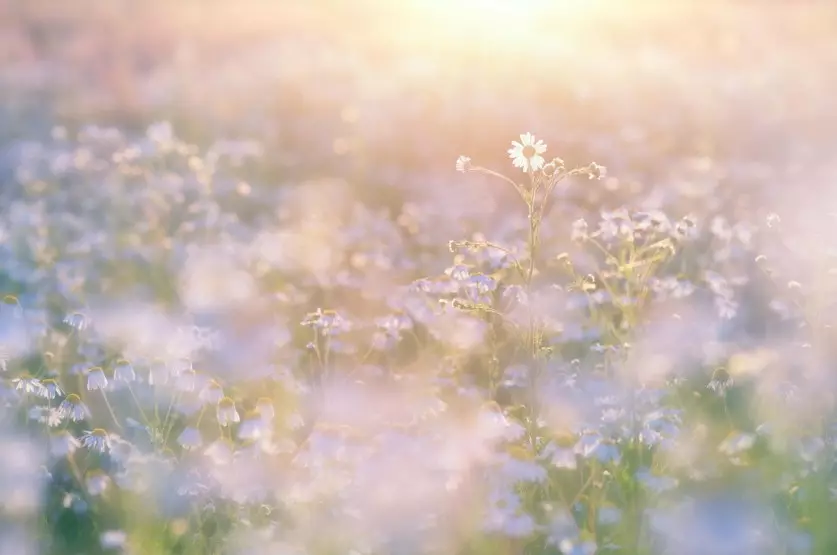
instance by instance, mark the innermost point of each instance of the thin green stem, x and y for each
(110, 410)
(492, 173)
(146, 421)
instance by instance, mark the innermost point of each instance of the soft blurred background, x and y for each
(186, 180)
(381, 92)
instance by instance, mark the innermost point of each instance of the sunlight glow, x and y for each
(504, 28)
(499, 20)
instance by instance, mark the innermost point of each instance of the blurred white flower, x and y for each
(592, 444)
(124, 371)
(516, 375)
(10, 306)
(159, 373)
(28, 384)
(62, 444)
(212, 393)
(96, 379)
(264, 407)
(226, 412)
(579, 230)
(506, 516)
(655, 483)
(75, 503)
(73, 408)
(463, 164)
(736, 443)
(186, 381)
(493, 425)
(526, 154)
(220, 452)
(190, 438)
(161, 133)
(253, 427)
(569, 547)
(113, 539)
(561, 457)
(50, 389)
(595, 171)
(50, 416)
(76, 320)
(96, 440)
(521, 470)
(97, 482)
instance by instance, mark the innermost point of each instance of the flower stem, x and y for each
(110, 409)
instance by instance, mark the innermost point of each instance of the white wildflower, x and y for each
(226, 412)
(50, 389)
(124, 371)
(72, 407)
(28, 384)
(96, 379)
(526, 154)
(96, 440)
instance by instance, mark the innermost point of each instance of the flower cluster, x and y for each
(199, 366)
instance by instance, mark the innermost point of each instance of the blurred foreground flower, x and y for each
(96, 440)
(463, 164)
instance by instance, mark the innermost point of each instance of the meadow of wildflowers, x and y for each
(475, 278)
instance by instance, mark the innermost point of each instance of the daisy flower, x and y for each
(11, 306)
(52, 417)
(212, 393)
(526, 154)
(97, 440)
(96, 379)
(73, 408)
(28, 384)
(226, 412)
(124, 371)
(50, 389)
